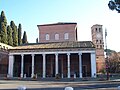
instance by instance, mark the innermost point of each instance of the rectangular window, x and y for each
(96, 29)
(66, 36)
(100, 46)
(56, 36)
(47, 37)
(96, 41)
(99, 29)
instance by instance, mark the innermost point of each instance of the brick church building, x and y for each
(58, 52)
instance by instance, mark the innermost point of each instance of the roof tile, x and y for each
(56, 45)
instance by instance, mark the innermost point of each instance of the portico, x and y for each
(49, 62)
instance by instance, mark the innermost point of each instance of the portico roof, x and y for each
(56, 45)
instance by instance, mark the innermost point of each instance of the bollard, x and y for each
(118, 88)
(68, 88)
(22, 88)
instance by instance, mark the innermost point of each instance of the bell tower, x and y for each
(97, 39)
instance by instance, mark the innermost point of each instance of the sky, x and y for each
(86, 13)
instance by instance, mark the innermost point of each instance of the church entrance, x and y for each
(86, 64)
(74, 64)
(38, 67)
(17, 65)
(62, 66)
(50, 65)
(27, 65)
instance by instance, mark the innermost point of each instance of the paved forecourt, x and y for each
(38, 85)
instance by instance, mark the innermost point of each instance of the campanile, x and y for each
(97, 39)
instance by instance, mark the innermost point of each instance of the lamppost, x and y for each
(106, 60)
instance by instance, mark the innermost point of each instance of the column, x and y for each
(68, 61)
(32, 65)
(44, 66)
(80, 65)
(93, 65)
(10, 67)
(56, 63)
(22, 65)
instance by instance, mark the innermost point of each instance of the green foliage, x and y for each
(117, 1)
(3, 33)
(19, 34)
(109, 51)
(57, 76)
(24, 40)
(9, 35)
(14, 33)
(102, 71)
(114, 5)
(3, 18)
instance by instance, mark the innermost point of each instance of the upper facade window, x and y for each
(96, 29)
(47, 37)
(66, 36)
(99, 29)
(56, 36)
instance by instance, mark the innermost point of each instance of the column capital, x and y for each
(92, 52)
(33, 55)
(22, 55)
(43, 54)
(80, 53)
(56, 54)
(68, 54)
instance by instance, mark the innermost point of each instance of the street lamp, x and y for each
(106, 60)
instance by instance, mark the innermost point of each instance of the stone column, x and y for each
(56, 63)
(80, 65)
(93, 65)
(32, 65)
(68, 61)
(10, 67)
(22, 65)
(44, 66)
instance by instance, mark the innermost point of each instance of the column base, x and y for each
(80, 75)
(21, 75)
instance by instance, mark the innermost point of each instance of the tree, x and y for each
(3, 33)
(9, 35)
(19, 34)
(114, 5)
(114, 62)
(14, 33)
(24, 40)
(3, 18)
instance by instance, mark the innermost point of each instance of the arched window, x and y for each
(47, 37)
(56, 36)
(66, 36)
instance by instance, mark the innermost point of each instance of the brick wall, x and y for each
(60, 29)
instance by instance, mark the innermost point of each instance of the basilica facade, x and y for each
(58, 52)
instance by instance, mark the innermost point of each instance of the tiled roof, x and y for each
(56, 45)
